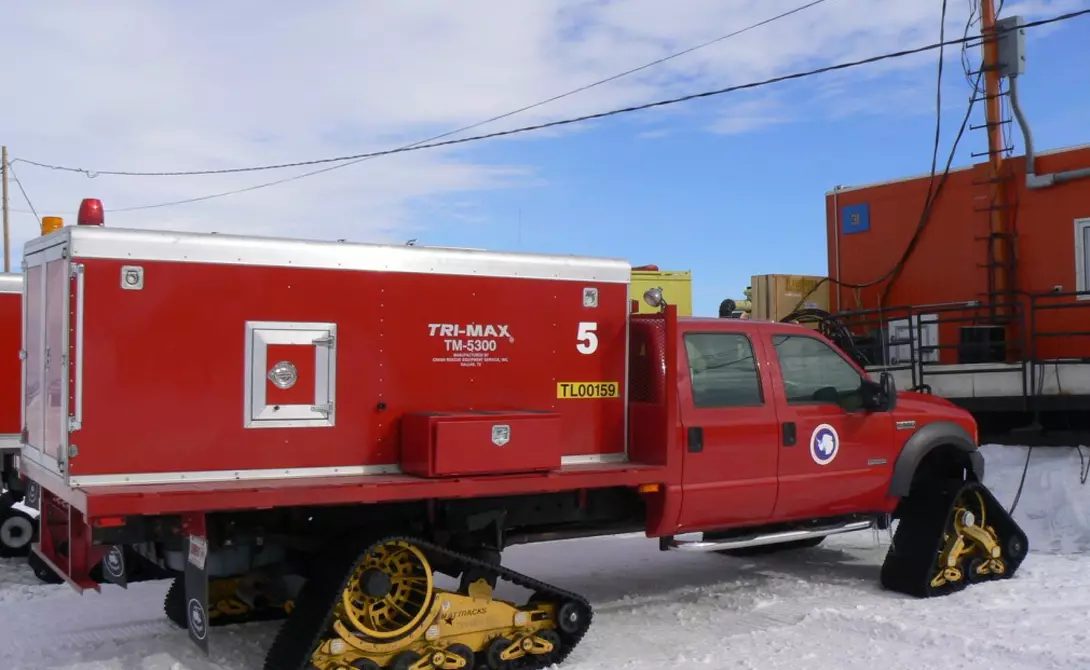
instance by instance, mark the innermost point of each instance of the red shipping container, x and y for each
(870, 226)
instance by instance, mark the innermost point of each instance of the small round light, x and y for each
(283, 375)
(653, 297)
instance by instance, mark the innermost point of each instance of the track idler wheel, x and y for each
(387, 612)
(950, 537)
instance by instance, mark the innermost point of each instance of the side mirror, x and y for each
(880, 396)
(889, 390)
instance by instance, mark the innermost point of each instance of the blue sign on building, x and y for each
(855, 218)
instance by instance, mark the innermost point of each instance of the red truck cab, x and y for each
(777, 427)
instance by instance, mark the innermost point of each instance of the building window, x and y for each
(1082, 257)
(811, 370)
(722, 370)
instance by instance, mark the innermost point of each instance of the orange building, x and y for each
(998, 311)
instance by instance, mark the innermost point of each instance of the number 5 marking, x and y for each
(588, 339)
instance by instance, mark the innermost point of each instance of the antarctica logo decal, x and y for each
(115, 562)
(198, 625)
(824, 444)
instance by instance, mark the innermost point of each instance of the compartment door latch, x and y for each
(325, 410)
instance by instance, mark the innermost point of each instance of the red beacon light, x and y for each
(90, 213)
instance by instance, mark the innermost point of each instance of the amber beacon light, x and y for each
(90, 213)
(51, 223)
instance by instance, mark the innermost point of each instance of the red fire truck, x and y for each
(314, 431)
(16, 522)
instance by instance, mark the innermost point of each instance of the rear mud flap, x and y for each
(949, 537)
(114, 569)
(196, 591)
(32, 495)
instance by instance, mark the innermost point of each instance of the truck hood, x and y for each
(916, 404)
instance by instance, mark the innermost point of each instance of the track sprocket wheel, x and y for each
(390, 591)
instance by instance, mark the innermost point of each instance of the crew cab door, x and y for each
(836, 457)
(729, 419)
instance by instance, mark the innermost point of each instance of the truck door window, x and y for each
(810, 368)
(722, 370)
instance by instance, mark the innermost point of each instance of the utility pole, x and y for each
(1000, 238)
(7, 225)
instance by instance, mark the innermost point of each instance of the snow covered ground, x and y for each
(816, 609)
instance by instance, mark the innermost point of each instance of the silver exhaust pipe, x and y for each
(767, 538)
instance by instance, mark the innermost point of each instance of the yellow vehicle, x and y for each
(676, 285)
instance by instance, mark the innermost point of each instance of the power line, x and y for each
(735, 33)
(933, 191)
(553, 124)
(932, 194)
(15, 178)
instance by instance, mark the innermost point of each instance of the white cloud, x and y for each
(159, 85)
(750, 115)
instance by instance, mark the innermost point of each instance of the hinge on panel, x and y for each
(73, 424)
(324, 410)
(22, 354)
(73, 451)
(327, 341)
(74, 270)
(24, 437)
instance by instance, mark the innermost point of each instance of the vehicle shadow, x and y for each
(628, 570)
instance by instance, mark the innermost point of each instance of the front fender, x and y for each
(925, 440)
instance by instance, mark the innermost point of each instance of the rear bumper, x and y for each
(65, 542)
(9, 444)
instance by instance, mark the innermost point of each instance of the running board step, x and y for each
(765, 539)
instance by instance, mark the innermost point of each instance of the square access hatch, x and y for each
(291, 374)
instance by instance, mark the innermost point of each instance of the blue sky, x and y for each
(726, 187)
(731, 206)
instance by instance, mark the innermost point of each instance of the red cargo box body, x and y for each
(11, 342)
(204, 358)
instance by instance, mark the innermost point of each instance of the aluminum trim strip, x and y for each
(855, 187)
(207, 476)
(10, 443)
(593, 459)
(49, 241)
(77, 411)
(130, 244)
(848, 188)
(11, 282)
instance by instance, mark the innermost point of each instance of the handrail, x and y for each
(1022, 334)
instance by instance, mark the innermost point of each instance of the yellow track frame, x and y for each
(391, 611)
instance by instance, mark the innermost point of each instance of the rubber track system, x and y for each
(951, 536)
(311, 621)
